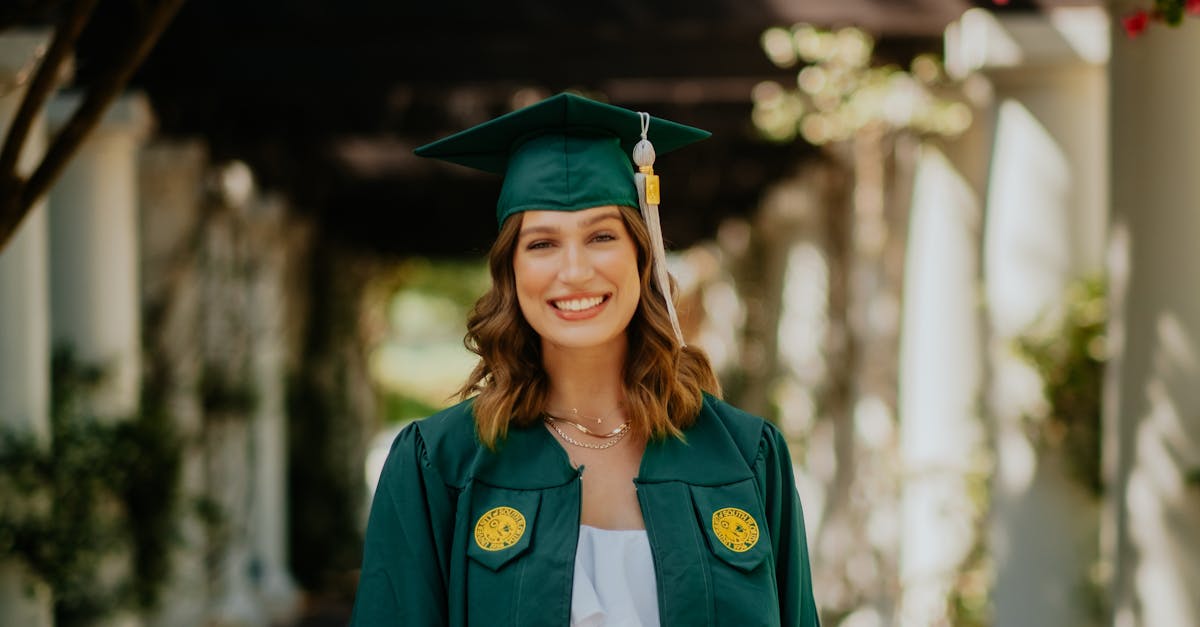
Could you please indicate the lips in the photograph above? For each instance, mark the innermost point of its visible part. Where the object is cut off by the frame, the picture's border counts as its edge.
(576, 307)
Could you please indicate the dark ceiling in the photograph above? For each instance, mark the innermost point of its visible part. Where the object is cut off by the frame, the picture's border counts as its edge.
(325, 100)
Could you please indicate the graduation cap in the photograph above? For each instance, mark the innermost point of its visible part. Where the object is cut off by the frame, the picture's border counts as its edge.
(569, 153)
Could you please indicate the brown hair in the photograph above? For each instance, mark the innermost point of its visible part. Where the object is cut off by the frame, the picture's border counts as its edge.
(663, 382)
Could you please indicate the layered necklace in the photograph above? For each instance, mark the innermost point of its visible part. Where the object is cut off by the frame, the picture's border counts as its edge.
(612, 437)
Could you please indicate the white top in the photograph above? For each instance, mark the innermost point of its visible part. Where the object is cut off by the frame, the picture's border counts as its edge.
(614, 579)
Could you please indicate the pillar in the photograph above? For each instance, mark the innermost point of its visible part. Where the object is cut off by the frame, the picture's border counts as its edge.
(172, 178)
(1044, 229)
(24, 331)
(93, 232)
(269, 317)
(1152, 400)
(95, 308)
(231, 397)
(941, 358)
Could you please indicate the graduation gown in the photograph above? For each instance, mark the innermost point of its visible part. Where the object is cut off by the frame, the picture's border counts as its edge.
(461, 535)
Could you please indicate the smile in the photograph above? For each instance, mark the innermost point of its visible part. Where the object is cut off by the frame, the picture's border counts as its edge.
(579, 304)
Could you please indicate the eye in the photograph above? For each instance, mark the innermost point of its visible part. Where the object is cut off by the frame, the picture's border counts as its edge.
(538, 244)
(604, 236)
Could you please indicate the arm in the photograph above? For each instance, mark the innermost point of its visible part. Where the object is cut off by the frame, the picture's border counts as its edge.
(793, 576)
(406, 553)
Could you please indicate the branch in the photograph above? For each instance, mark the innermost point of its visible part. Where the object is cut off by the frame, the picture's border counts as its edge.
(44, 82)
(85, 118)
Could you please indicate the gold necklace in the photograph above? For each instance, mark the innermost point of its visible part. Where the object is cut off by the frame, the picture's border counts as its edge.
(575, 412)
(616, 438)
(582, 429)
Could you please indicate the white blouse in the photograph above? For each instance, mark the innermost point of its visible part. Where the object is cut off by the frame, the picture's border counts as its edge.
(614, 579)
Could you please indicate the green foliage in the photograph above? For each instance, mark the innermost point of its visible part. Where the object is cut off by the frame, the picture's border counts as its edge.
(324, 539)
(1070, 360)
(1170, 10)
(221, 396)
(97, 489)
(399, 408)
(841, 92)
(461, 281)
(152, 452)
(969, 601)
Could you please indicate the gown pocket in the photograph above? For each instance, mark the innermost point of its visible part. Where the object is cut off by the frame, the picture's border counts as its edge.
(741, 565)
(502, 525)
(733, 524)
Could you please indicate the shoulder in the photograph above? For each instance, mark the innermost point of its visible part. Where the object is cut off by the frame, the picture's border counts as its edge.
(449, 441)
(745, 429)
(756, 438)
(738, 420)
(751, 435)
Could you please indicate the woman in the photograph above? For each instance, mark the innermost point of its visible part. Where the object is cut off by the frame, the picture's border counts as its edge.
(591, 476)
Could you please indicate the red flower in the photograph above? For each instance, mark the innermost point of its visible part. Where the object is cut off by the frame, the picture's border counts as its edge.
(1136, 22)
(1192, 7)
(1000, 2)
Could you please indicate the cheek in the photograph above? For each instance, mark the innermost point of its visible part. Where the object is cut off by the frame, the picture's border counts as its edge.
(633, 275)
(529, 286)
(633, 285)
(630, 280)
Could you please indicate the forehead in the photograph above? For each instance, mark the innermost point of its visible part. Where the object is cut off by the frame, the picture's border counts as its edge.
(559, 220)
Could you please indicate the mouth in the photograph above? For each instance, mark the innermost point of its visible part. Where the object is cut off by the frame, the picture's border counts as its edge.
(576, 306)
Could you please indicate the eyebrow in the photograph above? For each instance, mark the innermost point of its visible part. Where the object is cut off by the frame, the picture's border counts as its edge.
(586, 223)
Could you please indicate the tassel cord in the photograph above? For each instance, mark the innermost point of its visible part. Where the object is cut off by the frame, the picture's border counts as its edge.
(650, 216)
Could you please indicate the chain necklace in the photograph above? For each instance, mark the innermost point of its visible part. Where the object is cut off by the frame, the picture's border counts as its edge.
(582, 429)
(614, 438)
(575, 414)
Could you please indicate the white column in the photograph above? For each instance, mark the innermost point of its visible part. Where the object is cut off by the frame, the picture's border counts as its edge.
(24, 331)
(1044, 229)
(268, 314)
(940, 376)
(228, 345)
(172, 185)
(1152, 404)
(95, 292)
(234, 602)
(93, 233)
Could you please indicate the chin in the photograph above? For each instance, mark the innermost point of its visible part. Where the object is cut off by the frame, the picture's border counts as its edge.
(582, 340)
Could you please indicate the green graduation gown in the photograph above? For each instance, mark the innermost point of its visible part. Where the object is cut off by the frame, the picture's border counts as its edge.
(461, 535)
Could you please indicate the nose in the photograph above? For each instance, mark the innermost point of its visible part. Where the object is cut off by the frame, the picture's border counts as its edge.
(576, 265)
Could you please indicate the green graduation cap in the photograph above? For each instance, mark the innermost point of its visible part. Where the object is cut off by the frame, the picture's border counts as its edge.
(569, 153)
(564, 153)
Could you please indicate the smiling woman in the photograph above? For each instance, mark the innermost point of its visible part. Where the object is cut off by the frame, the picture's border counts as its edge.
(663, 381)
(688, 513)
(576, 277)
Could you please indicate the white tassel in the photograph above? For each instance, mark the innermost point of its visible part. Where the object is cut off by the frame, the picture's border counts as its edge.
(643, 156)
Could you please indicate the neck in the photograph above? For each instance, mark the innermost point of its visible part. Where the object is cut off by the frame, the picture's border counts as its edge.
(588, 380)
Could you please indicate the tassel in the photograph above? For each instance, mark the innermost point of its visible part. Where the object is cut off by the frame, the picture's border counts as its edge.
(649, 197)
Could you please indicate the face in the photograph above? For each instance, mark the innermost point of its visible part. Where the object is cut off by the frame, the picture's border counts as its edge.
(576, 276)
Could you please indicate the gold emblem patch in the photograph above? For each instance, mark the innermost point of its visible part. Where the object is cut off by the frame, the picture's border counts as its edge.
(736, 529)
(499, 528)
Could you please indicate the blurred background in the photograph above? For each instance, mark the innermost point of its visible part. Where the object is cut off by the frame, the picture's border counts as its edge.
(945, 245)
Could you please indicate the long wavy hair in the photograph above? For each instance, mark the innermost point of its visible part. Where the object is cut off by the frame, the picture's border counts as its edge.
(663, 382)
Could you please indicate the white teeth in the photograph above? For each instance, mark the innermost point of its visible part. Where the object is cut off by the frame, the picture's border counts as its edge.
(578, 304)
